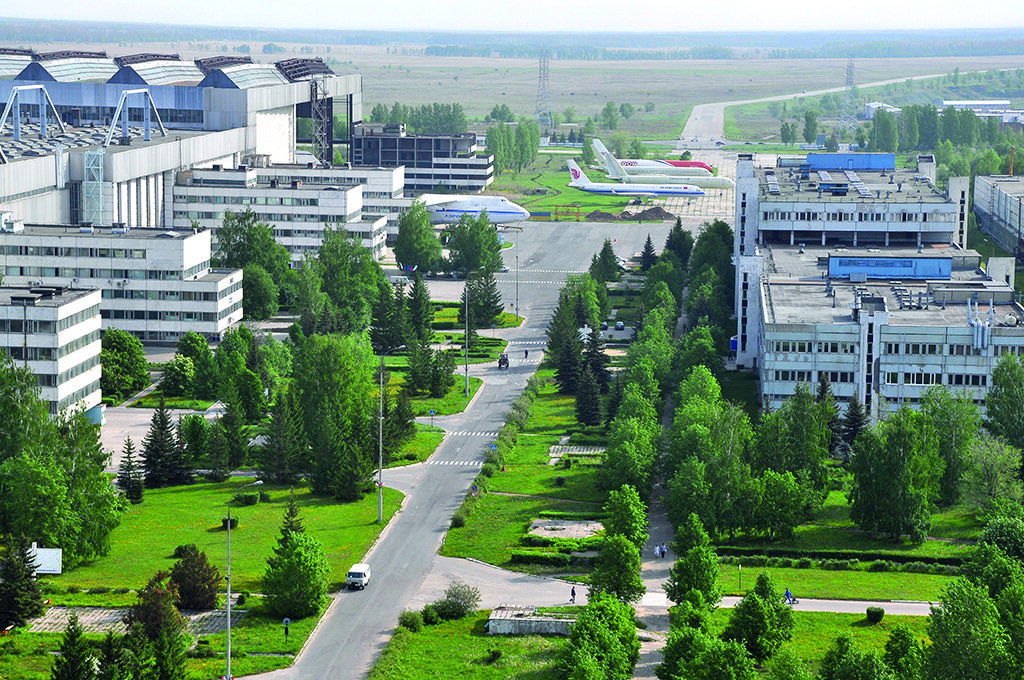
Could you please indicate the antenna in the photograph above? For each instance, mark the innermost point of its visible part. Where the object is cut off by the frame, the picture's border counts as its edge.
(848, 116)
(543, 110)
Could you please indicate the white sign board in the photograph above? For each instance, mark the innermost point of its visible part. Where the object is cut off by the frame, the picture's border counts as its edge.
(48, 560)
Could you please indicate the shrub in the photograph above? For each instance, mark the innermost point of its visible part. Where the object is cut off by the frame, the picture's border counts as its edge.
(559, 481)
(247, 498)
(196, 580)
(460, 517)
(203, 650)
(430, 616)
(121, 591)
(242, 597)
(567, 463)
(411, 619)
(493, 655)
(71, 590)
(875, 614)
(541, 558)
(488, 469)
(264, 497)
(98, 590)
(224, 523)
(878, 565)
(184, 548)
(410, 456)
(785, 562)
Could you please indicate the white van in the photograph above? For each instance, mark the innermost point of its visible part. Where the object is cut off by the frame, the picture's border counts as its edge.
(358, 576)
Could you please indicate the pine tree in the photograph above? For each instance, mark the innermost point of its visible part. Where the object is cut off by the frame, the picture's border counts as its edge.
(217, 454)
(196, 580)
(569, 367)
(279, 460)
(419, 311)
(381, 328)
(616, 392)
(111, 660)
(855, 421)
(129, 475)
(562, 330)
(75, 661)
(594, 357)
(830, 415)
(158, 447)
(404, 416)
(588, 399)
(680, 242)
(20, 598)
(291, 525)
(235, 441)
(648, 257)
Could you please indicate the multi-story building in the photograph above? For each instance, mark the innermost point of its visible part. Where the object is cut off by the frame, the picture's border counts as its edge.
(155, 283)
(298, 202)
(999, 207)
(443, 163)
(850, 200)
(55, 332)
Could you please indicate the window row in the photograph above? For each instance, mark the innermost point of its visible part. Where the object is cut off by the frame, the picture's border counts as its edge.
(150, 315)
(59, 251)
(218, 199)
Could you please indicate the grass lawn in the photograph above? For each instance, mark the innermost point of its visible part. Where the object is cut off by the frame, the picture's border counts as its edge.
(815, 538)
(547, 172)
(460, 649)
(420, 447)
(813, 632)
(552, 412)
(28, 656)
(149, 533)
(152, 400)
(838, 585)
(453, 402)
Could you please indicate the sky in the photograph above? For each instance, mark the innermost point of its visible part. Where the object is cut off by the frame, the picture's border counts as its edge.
(532, 15)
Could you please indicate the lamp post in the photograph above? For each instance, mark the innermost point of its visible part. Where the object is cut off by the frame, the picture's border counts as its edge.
(380, 439)
(518, 230)
(246, 486)
(465, 343)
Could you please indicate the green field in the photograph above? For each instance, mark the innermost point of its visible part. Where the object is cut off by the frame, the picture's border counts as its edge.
(420, 447)
(169, 517)
(838, 585)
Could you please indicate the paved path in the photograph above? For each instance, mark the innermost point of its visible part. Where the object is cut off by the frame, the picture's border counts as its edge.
(102, 619)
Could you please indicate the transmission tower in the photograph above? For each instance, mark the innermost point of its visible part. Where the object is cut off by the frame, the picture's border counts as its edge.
(848, 116)
(543, 111)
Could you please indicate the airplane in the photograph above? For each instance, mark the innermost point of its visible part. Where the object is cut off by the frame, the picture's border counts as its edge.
(448, 208)
(616, 172)
(581, 181)
(645, 166)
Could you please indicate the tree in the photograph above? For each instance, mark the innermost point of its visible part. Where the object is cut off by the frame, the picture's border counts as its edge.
(587, 156)
(20, 597)
(679, 242)
(282, 460)
(618, 570)
(420, 313)
(484, 300)
(903, 654)
(417, 248)
(855, 421)
(251, 399)
(603, 640)
(194, 434)
(179, 375)
(884, 135)
(647, 255)
(810, 127)
(588, 398)
(626, 516)
(154, 612)
(350, 276)
(158, 449)
(243, 240)
(112, 658)
(895, 471)
(610, 116)
(75, 661)
(697, 348)
(259, 292)
(830, 415)
(696, 570)
(196, 581)
(953, 424)
(129, 475)
(1004, 403)
(122, 362)
(637, 148)
(992, 473)
(781, 505)
(296, 581)
(235, 443)
(761, 620)
(967, 638)
(786, 665)
(473, 244)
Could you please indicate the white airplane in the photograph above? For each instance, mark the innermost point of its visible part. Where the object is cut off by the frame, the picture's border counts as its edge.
(647, 166)
(618, 173)
(581, 181)
(448, 208)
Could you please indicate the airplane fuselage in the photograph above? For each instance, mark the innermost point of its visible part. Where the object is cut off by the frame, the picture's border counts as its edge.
(449, 209)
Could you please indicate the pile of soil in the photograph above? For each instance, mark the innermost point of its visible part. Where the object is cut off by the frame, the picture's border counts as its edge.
(650, 214)
(601, 216)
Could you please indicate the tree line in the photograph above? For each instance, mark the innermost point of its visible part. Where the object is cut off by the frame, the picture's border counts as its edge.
(431, 119)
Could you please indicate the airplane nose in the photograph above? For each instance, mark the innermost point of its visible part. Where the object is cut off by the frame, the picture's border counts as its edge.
(524, 213)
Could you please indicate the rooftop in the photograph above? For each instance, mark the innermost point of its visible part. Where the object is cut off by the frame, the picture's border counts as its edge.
(1012, 185)
(41, 296)
(78, 138)
(134, 233)
(784, 185)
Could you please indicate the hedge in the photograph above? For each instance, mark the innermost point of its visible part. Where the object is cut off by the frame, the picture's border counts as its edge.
(542, 558)
(862, 556)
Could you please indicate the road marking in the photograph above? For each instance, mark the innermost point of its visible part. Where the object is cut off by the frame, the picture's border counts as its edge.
(467, 433)
(475, 463)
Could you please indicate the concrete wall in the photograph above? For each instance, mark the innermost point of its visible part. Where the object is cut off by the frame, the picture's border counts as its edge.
(528, 626)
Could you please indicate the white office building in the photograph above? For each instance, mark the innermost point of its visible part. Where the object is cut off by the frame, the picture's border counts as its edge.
(156, 284)
(55, 332)
(298, 202)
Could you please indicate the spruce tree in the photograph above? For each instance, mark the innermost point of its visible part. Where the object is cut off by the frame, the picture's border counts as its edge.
(569, 367)
(129, 474)
(236, 442)
(830, 415)
(609, 262)
(158, 447)
(588, 399)
(217, 454)
(111, 660)
(562, 330)
(75, 661)
(291, 525)
(680, 242)
(196, 580)
(648, 257)
(855, 421)
(20, 598)
(419, 312)
(383, 317)
(404, 416)
(279, 459)
(595, 358)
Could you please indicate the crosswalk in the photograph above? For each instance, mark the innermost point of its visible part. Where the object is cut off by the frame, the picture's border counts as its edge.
(468, 433)
(473, 463)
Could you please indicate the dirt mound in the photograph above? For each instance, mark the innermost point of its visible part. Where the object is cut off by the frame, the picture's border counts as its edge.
(650, 214)
(601, 216)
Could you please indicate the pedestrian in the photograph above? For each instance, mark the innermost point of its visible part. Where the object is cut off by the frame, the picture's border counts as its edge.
(572, 596)
(664, 550)
(789, 597)
(657, 551)
(526, 354)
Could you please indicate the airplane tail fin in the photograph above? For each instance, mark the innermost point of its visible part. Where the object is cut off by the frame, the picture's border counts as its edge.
(614, 167)
(599, 148)
(578, 177)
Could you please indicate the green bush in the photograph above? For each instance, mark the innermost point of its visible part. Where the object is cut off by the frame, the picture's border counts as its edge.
(875, 614)
(411, 619)
(224, 523)
(430, 616)
(98, 590)
(879, 565)
(184, 548)
(247, 498)
(540, 558)
(493, 655)
(264, 497)
(203, 650)
(559, 481)
(459, 600)
(804, 563)
(567, 463)
(410, 456)
(488, 469)
(71, 590)
(460, 517)
(121, 591)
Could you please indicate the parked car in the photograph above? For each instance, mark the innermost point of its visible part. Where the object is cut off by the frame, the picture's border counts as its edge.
(604, 325)
(619, 326)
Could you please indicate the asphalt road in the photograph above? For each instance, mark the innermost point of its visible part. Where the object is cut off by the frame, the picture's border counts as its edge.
(359, 623)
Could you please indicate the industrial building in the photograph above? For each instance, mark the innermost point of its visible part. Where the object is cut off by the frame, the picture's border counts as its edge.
(156, 284)
(999, 208)
(849, 266)
(443, 163)
(55, 332)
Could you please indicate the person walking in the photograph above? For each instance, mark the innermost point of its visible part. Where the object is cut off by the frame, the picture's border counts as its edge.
(664, 550)
(526, 354)
(789, 597)
(572, 595)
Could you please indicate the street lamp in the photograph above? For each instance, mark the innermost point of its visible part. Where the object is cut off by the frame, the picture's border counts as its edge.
(246, 486)
(380, 439)
(518, 230)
